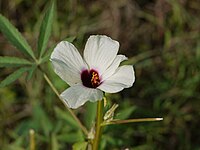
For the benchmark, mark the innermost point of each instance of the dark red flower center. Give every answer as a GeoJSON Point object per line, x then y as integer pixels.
{"type": "Point", "coordinates": [90, 78]}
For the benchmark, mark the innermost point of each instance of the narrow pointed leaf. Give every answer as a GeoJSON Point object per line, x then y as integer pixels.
{"type": "Point", "coordinates": [54, 142]}
{"type": "Point", "coordinates": [47, 55]}
{"type": "Point", "coordinates": [125, 113]}
{"type": "Point", "coordinates": [45, 29]}
{"type": "Point", "coordinates": [67, 117]}
{"type": "Point", "coordinates": [42, 119]}
{"type": "Point", "coordinates": [6, 61]}
{"type": "Point", "coordinates": [90, 113]}
{"type": "Point", "coordinates": [80, 146]}
{"type": "Point", "coordinates": [31, 72]}
{"type": "Point", "coordinates": [14, 36]}
{"type": "Point", "coordinates": [71, 137]}
{"type": "Point", "coordinates": [70, 39]}
{"type": "Point", "coordinates": [12, 77]}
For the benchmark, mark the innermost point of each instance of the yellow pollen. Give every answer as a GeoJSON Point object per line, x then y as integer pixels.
{"type": "Point", "coordinates": [95, 78]}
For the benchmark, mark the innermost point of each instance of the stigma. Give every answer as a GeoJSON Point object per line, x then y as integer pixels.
{"type": "Point", "coordinates": [90, 78]}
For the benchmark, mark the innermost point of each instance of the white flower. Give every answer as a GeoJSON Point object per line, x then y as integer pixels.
{"type": "Point", "coordinates": [96, 72]}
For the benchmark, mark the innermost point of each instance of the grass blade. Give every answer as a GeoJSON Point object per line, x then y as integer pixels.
{"type": "Point", "coordinates": [12, 77]}
{"type": "Point", "coordinates": [13, 61]}
{"type": "Point", "coordinates": [45, 29]}
{"type": "Point", "coordinates": [14, 36]}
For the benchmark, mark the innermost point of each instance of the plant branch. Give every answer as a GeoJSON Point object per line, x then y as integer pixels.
{"type": "Point", "coordinates": [70, 111]}
{"type": "Point", "coordinates": [32, 139]}
{"type": "Point", "coordinates": [131, 121]}
{"type": "Point", "coordinates": [98, 129]}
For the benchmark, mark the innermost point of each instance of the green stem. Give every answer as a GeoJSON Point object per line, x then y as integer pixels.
{"type": "Point", "coordinates": [70, 111]}
{"type": "Point", "coordinates": [32, 139]}
{"type": "Point", "coordinates": [98, 130]}
{"type": "Point", "coordinates": [131, 121]}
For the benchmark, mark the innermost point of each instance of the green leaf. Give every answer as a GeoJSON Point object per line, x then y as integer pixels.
{"type": "Point", "coordinates": [45, 29]}
{"type": "Point", "coordinates": [54, 142]}
{"type": "Point", "coordinates": [67, 117]}
{"type": "Point", "coordinates": [14, 36]}
{"type": "Point", "coordinates": [47, 56]}
{"type": "Point", "coordinates": [90, 114]}
{"type": "Point", "coordinates": [13, 61]}
{"type": "Point", "coordinates": [71, 137]}
{"type": "Point", "coordinates": [70, 39]}
{"type": "Point", "coordinates": [30, 72]}
{"type": "Point", "coordinates": [12, 77]}
{"type": "Point", "coordinates": [80, 146]}
{"type": "Point", "coordinates": [16, 145]}
{"type": "Point", "coordinates": [42, 119]}
{"type": "Point", "coordinates": [124, 114]}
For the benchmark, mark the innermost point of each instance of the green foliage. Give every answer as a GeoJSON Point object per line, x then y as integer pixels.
{"type": "Point", "coordinates": [45, 29]}
{"type": "Point", "coordinates": [12, 77]}
{"type": "Point", "coordinates": [13, 62]}
{"type": "Point", "coordinates": [80, 146]}
{"type": "Point", "coordinates": [67, 117]}
{"type": "Point", "coordinates": [31, 72]}
{"type": "Point", "coordinates": [14, 36]}
{"type": "Point", "coordinates": [90, 114]}
{"type": "Point", "coordinates": [124, 114]}
{"type": "Point", "coordinates": [161, 38]}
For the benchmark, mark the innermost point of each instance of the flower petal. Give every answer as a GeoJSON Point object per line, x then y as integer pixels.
{"type": "Point", "coordinates": [112, 68]}
{"type": "Point", "coordinates": [124, 77]}
{"type": "Point", "coordinates": [67, 62]}
{"type": "Point", "coordinates": [77, 95]}
{"type": "Point", "coordinates": [100, 51]}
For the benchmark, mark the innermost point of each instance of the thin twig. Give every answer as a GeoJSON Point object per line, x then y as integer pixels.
{"type": "Point", "coordinates": [131, 121]}
{"type": "Point", "coordinates": [70, 111]}
{"type": "Point", "coordinates": [32, 139]}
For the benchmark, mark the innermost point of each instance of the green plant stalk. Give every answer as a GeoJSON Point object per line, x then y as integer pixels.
{"type": "Point", "coordinates": [70, 111]}
{"type": "Point", "coordinates": [98, 129]}
{"type": "Point", "coordinates": [32, 139]}
{"type": "Point", "coordinates": [131, 121]}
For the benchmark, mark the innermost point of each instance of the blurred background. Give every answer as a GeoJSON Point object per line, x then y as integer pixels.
{"type": "Point", "coordinates": [161, 39]}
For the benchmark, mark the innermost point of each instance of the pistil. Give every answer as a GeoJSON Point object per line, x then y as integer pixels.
{"type": "Point", "coordinates": [90, 78]}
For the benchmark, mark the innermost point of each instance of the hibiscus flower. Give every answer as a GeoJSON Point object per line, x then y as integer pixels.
{"type": "Point", "coordinates": [97, 72]}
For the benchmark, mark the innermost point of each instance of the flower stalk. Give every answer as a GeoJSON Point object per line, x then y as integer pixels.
{"type": "Point", "coordinates": [98, 129]}
{"type": "Point", "coordinates": [70, 111]}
